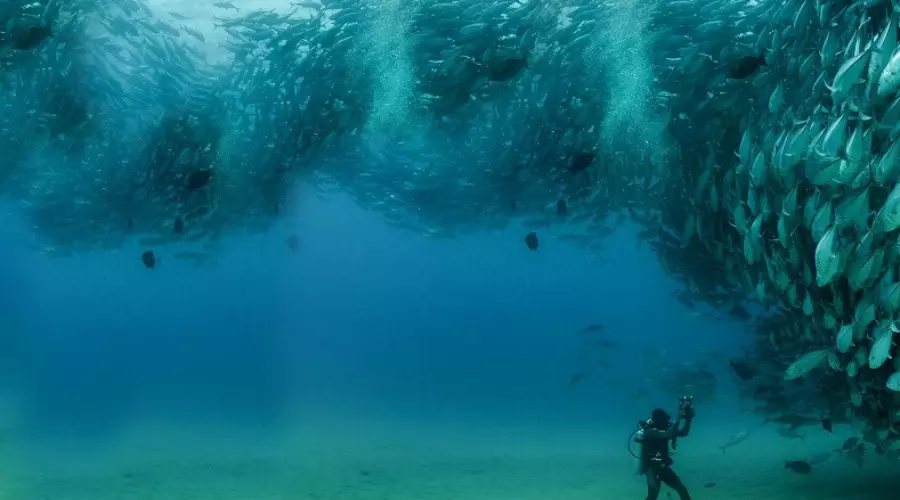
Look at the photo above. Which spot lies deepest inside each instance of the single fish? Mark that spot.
(745, 66)
(806, 363)
(798, 466)
(225, 5)
(849, 444)
(505, 69)
(893, 382)
(31, 37)
(293, 243)
(791, 434)
(581, 161)
(531, 240)
(149, 259)
(743, 370)
(736, 439)
(199, 179)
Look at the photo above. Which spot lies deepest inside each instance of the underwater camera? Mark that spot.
(685, 402)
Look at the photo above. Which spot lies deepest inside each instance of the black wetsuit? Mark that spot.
(655, 460)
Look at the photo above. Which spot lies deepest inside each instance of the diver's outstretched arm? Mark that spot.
(685, 429)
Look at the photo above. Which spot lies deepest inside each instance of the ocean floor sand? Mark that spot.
(421, 461)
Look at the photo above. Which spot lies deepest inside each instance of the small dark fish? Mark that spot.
(798, 466)
(31, 37)
(826, 424)
(606, 344)
(593, 327)
(531, 240)
(576, 377)
(743, 370)
(199, 179)
(581, 161)
(745, 66)
(148, 259)
(178, 226)
(501, 70)
(293, 242)
(738, 311)
(709, 485)
(561, 207)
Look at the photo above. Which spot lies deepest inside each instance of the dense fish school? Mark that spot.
(755, 143)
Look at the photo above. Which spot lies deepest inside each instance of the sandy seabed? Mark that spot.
(367, 460)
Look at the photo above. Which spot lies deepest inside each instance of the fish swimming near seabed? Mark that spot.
(798, 466)
(736, 439)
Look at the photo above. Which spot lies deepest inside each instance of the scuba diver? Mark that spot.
(654, 436)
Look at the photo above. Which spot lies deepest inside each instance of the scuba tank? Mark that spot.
(637, 436)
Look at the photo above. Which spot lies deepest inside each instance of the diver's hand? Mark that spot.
(688, 413)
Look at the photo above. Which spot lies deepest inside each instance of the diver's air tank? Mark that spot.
(639, 434)
(639, 439)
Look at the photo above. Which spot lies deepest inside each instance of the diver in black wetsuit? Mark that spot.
(654, 436)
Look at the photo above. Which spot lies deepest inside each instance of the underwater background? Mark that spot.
(376, 324)
(372, 363)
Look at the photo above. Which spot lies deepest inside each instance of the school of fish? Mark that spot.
(788, 189)
(754, 143)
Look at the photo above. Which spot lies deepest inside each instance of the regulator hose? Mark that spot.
(630, 440)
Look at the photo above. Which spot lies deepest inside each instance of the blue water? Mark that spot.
(364, 319)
